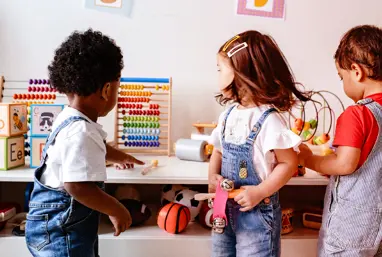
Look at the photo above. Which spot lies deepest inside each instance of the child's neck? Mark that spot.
(85, 106)
(372, 88)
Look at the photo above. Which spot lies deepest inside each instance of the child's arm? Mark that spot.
(90, 195)
(117, 156)
(343, 162)
(287, 165)
(214, 170)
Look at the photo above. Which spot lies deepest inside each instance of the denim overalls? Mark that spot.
(352, 218)
(57, 225)
(252, 233)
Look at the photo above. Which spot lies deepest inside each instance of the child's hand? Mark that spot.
(213, 180)
(127, 163)
(305, 153)
(249, 198)
(121, 222)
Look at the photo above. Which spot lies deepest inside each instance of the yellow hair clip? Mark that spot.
(229, 42)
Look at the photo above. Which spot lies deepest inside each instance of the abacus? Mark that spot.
(143, 115)
(31, 91)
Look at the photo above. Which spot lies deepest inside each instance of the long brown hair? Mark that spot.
(362, 45)
(261, 73)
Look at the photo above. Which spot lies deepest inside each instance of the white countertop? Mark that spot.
(170, 170)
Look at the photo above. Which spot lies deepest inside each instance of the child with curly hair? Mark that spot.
(68, 186)
(253, 145)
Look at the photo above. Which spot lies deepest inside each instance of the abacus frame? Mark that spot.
(168, 102)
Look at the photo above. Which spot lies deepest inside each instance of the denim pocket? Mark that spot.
(256, 219)
(353, 226)
(36, 231)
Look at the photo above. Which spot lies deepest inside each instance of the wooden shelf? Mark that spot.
(171, 170)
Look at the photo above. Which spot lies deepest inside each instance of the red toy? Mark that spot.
(205, 216)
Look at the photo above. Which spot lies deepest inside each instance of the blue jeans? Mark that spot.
(253, 233)
(57, 225)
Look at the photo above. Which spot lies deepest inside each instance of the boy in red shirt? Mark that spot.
(353, 203)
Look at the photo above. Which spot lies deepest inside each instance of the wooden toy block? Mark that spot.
(13, 119)
(42, 117)
(37, 145)
(12, 152)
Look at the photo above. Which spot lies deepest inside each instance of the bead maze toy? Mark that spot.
(143, 115)
(308, 129)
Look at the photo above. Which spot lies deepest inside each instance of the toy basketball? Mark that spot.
(174, 218)
(287, 221)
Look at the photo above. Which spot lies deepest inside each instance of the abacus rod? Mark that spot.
(143, 95)
(162, 131)
(141, 146)
(148, 115)
(121, 118)
(145, 80)
(149, 140)
(144, 105)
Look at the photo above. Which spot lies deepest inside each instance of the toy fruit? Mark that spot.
(306, 126)
(298, 124)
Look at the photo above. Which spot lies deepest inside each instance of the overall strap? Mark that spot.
(365, 101)
(52, 137)
(256, 129)
(376, 110)
(224, 122)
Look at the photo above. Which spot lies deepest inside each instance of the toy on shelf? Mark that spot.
(139, 212)
(186, 198)
(13, 152)
(143, 115)
(32, 91)
(13, 120)
(154, 164)
(42, 117)
(312, 218)
(315, 132)
(307, 129)
(7, 212)
(174, 218)
(169, 192)
(287, 221)
(41, 122)
(205, 215)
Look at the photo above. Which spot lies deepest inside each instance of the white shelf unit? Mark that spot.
(149, 240)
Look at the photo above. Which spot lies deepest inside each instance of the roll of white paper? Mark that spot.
(190, 150)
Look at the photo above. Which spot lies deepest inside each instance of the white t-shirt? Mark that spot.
(78, 154)
(274, 134)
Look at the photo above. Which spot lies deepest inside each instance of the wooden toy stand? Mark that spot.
(143, 116)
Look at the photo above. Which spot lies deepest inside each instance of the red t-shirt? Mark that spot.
(357, 127)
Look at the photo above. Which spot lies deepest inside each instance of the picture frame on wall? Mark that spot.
(119, 7)
(262, 8)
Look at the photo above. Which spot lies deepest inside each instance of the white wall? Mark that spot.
(180, 38)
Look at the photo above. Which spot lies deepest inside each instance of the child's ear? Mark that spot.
(105, 91)
(357, 72)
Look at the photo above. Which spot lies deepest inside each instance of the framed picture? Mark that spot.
(262, 8)
(120, 7)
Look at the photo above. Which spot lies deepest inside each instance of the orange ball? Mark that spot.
(174, 218)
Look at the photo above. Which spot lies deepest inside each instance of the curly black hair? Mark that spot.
(84, 63)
